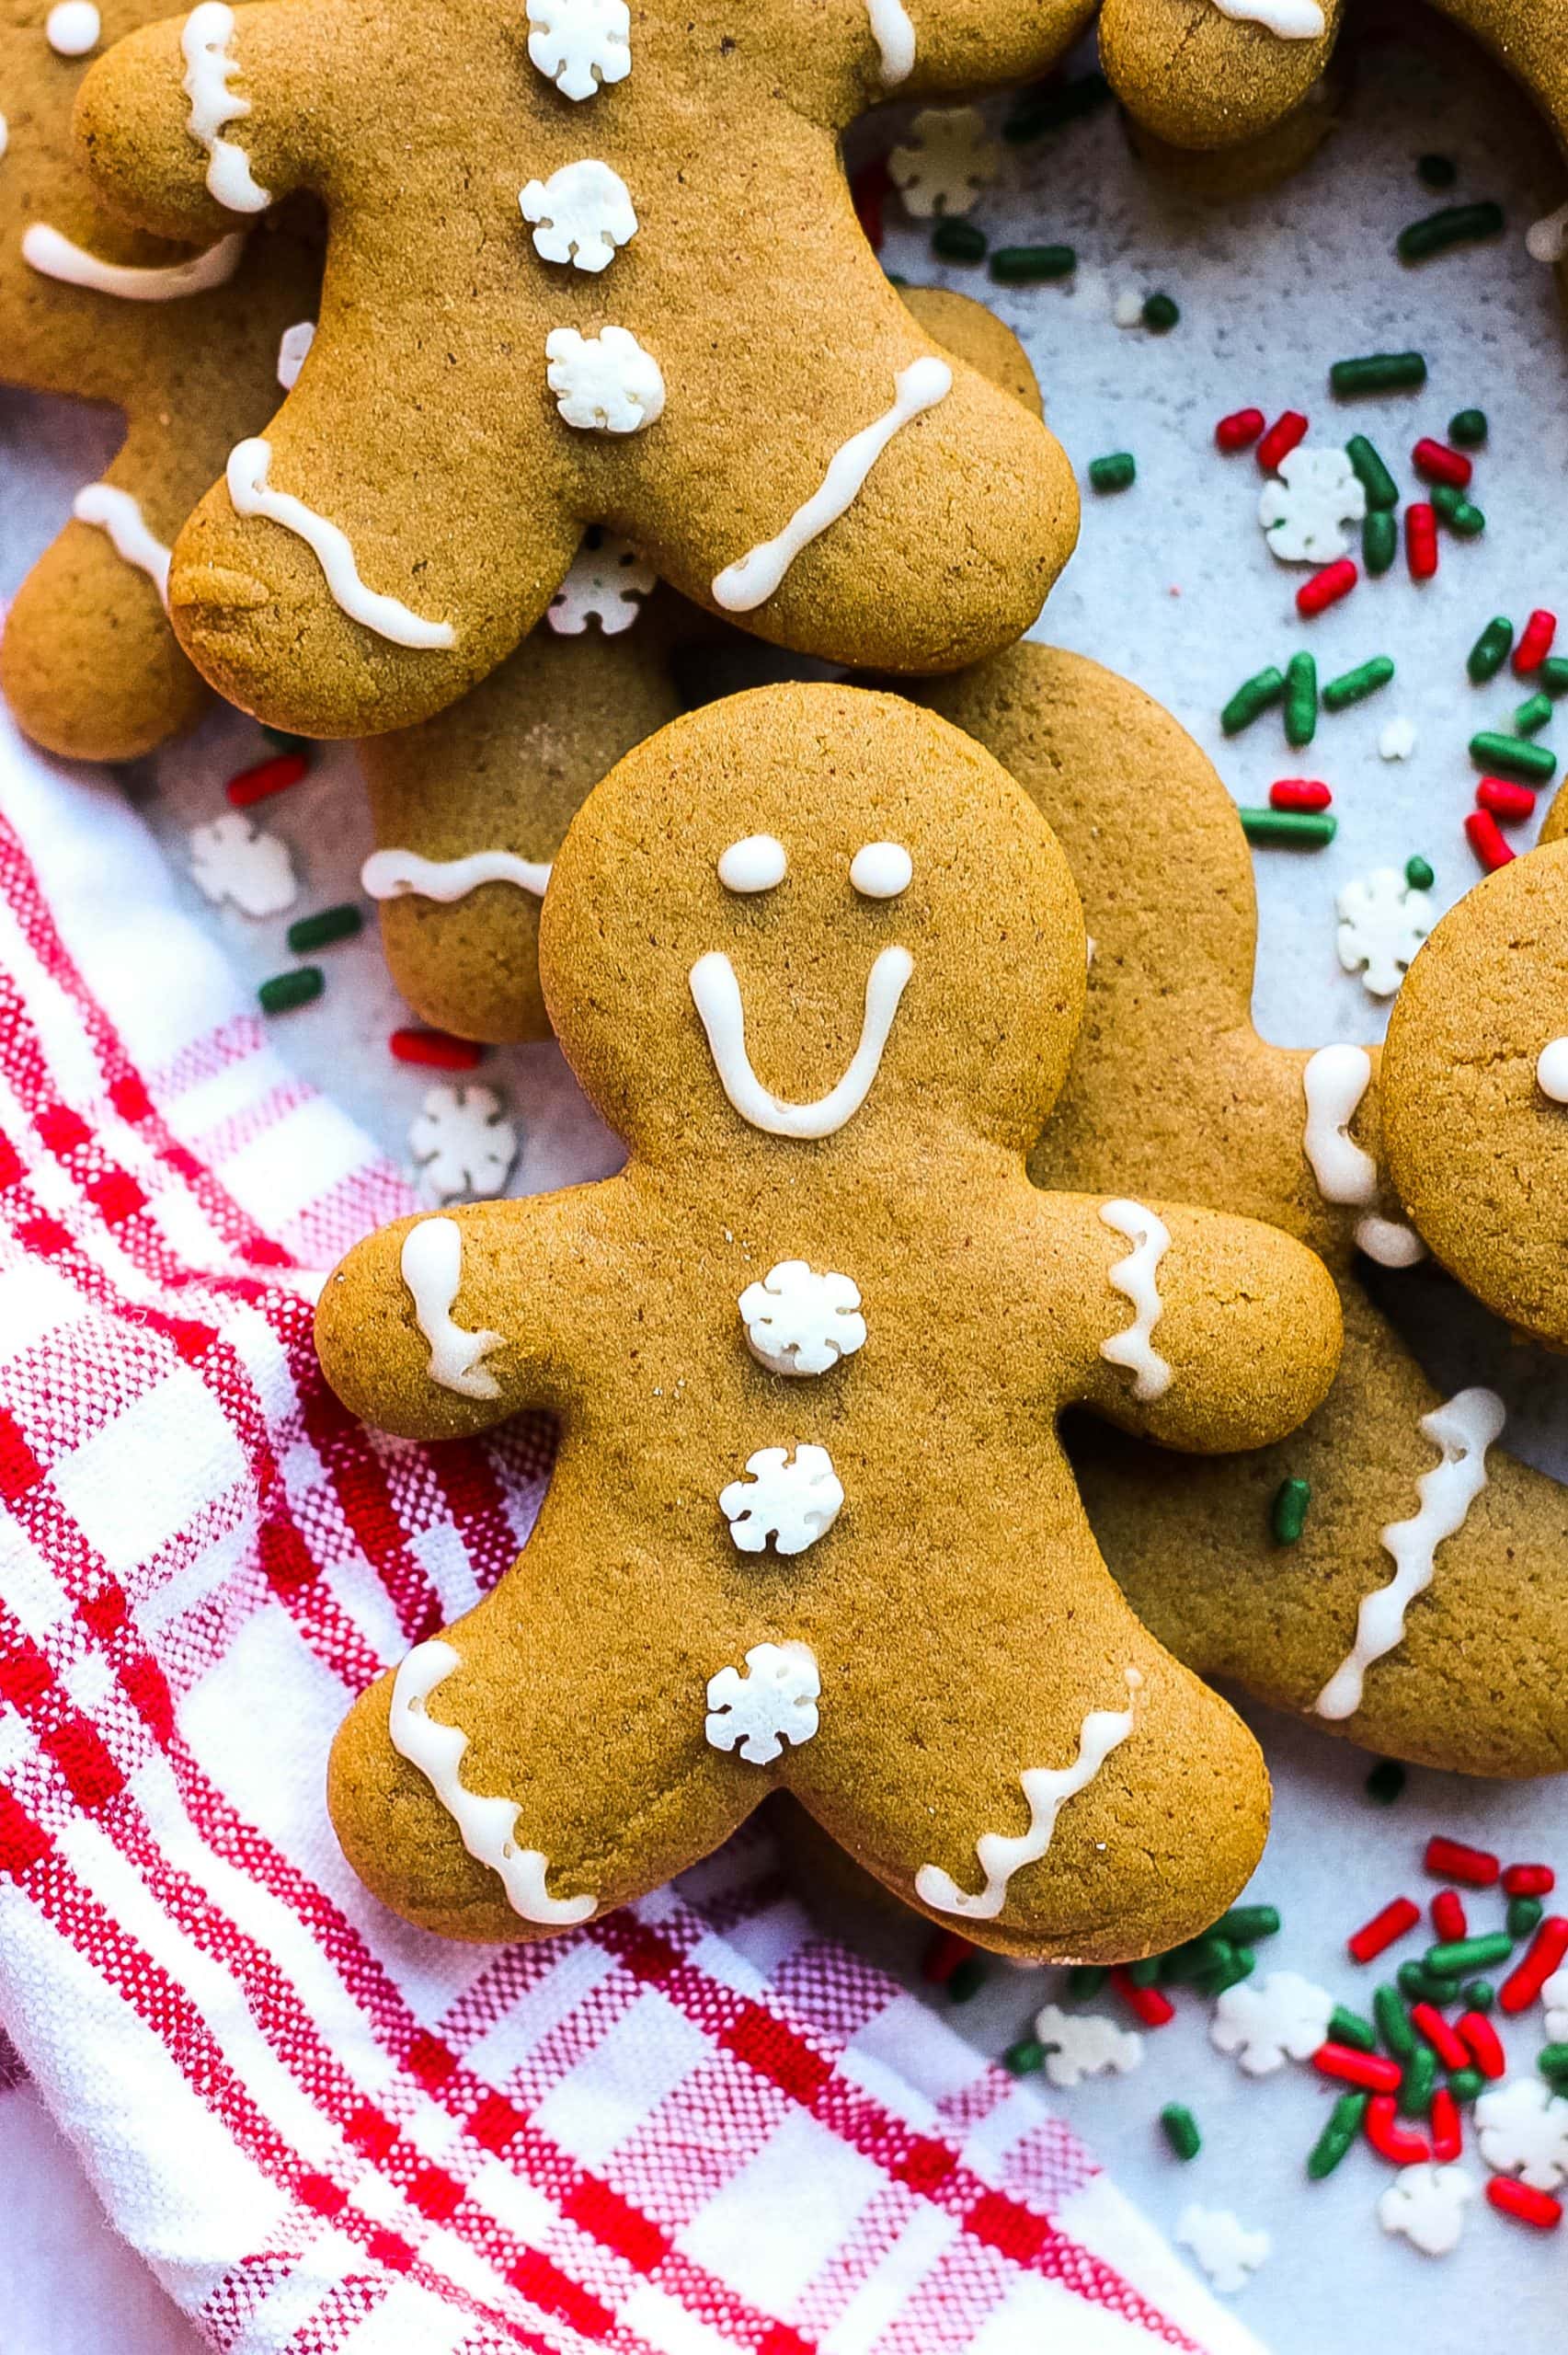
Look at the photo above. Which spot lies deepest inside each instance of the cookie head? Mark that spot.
(814, 914)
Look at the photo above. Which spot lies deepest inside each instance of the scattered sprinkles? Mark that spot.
(1379, 371)
(1457, 224)
(1287, 1519)
(266, 778)
(285, 992)
(435, 1050)
(1116, 472)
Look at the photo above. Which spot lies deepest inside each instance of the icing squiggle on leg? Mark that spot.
(1464, 1428)
(1047, 1790)
(487, 1826)
(115, 512)
(53, 255)
(252, 495)
(402, 874)
(1136, 1278)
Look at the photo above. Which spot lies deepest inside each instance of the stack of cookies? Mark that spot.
(443, 334)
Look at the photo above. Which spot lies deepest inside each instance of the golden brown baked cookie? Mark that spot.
(581, 269)
(810, 1524)
(184, 342)
(470, 808)
(1421, 1609)
(1475, 1088)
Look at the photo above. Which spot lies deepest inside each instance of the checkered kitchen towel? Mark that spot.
(695, 2127)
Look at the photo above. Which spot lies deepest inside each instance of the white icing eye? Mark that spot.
(754, 865)
(881, 870)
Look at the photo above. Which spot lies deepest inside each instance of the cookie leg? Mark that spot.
(1208, 74)
(1049, 1785)
(539, 1763)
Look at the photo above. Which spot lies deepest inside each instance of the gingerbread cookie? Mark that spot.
(185, 342)
(470, 808)
(594, 289)
(1419, 1609)
(811, 1526)
(1475, 1088)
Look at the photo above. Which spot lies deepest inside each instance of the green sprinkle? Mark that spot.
(1298, 829)
(1553, 2060)
(1116, 472)
(1379, 541)
(1380, 485)
(968, 1979)
(1144, 1972)
(958, 241)
(1244, 1924)
(1533, 717)
(1458, 224)
(1524, 1915)
(1251, 699)
(1287, 1514)
(1161, 312)
(1355, 686)
(1419, 2084)
(1344, 2126)
(1048, 107)
(1181, 2130)
(1424, 1986)
(1554, 674)
(1452, 1957)
(1418, 873)
(1465, 2084)
(1024, 2057)
(1513, 756)
(1467, 428)
(1491, 650)
(1437, 171)
(1085, 1980)
(1379, 371)
(284, 992)
(1026, 265)
(896, 277)
(1385, 1783)
(341, 923)
(283, 743)
(1394, 2022)
(1242, 1965)
(1459, 512)
(1349, 2027)
(1186, 1964)
(1478, 1994)
(1300, 700)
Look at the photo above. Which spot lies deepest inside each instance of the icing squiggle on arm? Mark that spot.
(1137, 1277)
(894, 34)
(431, 1265)
(53, 255)
(115, 512)
(1464, 1428)
(403, 875)
(717, 995)
(487, 1827)
(252, 495)
(207, 65)
(741, 587)
(1335, 1081)
(1287, 19)
(1047, 1790)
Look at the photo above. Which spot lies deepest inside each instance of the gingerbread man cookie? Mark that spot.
(184, 341)
(1420, 1609)
(1475, 1088)
(811, 1525)
(470, 808)
(580, 270)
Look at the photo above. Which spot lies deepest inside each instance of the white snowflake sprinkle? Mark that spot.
(773, 1702)
(233, 859)
(578, 44)
(604, 382)
(1426, 2205)
(793, 1499)
(1085, 2044)
(1554, 1995)
(462, 1143)
(1523, 2130)
(607, 583)
(1302, 512)
(582, 214)
(1397, 742)
(1282, 2017)
(949, 158)
(1383, 920)
(799, 1322)
(1222, 2245)
(1127, 309)
(294, 351)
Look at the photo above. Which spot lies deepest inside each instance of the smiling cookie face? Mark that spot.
(880, 943)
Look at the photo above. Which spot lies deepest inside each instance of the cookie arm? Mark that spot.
(441, 1326)
(1199, 1331)
(195, 126)
(1204, 75)
(966, 45)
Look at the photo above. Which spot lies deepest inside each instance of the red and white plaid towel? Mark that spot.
(696, 2127)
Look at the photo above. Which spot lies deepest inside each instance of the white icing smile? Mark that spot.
(717, 995)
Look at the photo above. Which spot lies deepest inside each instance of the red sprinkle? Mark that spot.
(1525, 2202)
(1353, 2067)
(1400, 2145)
(1527, 1880)
(1535, 641)
(1507, 801)
(1240, 429)
(943, 1956)
(1451, 1860)
(1448, 2136)
(1298, 793)
(1395, 1919)
(1448, 1918)
(266, 777)
(435, 1049)
(1421, 539)
(869, 190)
(1147, 2005)
(1478, 2032)
(1528, 1978)
(1481, 827)
(1450, 2051)
(1326, 588)
(1287, 429)
(1439, 463)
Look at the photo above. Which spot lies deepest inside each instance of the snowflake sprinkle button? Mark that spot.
(774, 1702)
(799, 1322)
(793, 1499)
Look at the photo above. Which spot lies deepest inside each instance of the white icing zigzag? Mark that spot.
(53, 255)
(252, 495)
(431, 1265)
(403, 875)
(115, 512)
(1137, 1277)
